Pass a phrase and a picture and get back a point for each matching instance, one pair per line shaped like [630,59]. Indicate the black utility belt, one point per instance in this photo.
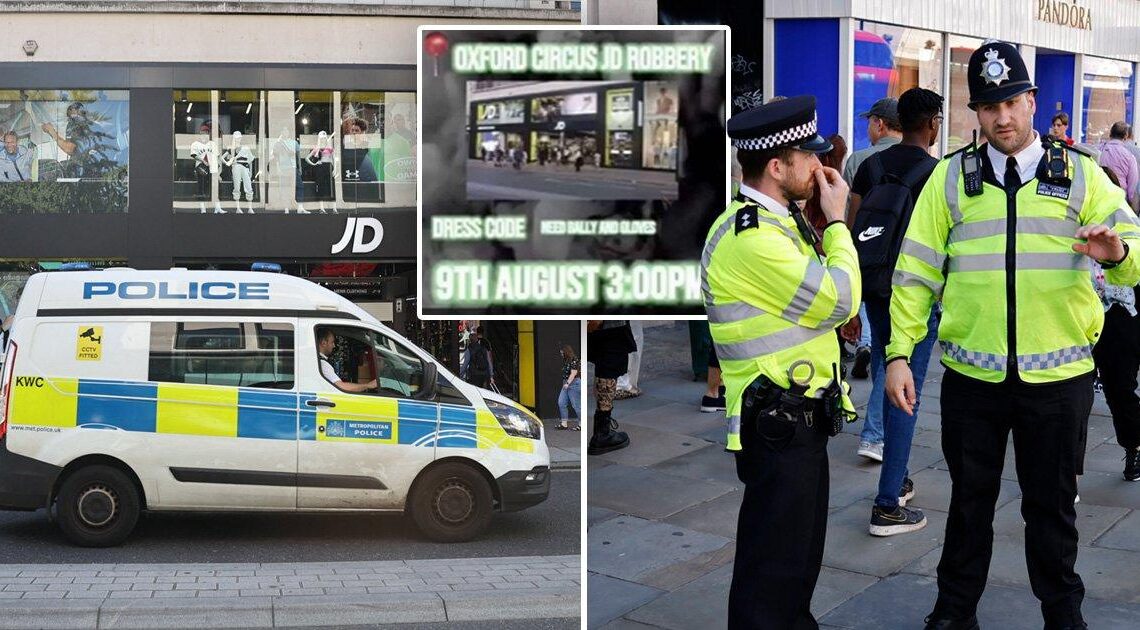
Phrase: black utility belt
[763,399]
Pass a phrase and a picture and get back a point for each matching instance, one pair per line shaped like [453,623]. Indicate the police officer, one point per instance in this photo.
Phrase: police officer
[1004,232]
[773,305]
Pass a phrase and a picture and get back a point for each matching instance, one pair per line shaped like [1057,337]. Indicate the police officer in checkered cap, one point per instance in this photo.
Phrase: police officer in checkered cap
[773,306]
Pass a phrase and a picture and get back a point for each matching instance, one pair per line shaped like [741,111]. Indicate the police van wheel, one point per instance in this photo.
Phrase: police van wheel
[452,503]
[97,506]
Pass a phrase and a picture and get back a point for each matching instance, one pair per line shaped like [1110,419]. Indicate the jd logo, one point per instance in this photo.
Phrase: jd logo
[560,125]
[355,230]
[29,381]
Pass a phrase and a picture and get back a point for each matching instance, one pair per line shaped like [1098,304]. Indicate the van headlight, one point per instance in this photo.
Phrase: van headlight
[516,421]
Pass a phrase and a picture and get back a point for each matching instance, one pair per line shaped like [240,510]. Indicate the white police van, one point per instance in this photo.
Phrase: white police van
[180,390]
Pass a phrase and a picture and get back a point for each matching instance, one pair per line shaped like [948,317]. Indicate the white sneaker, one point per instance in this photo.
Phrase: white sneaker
[871,450]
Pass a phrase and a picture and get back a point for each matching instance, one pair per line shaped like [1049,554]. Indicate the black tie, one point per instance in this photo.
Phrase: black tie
[1012,175]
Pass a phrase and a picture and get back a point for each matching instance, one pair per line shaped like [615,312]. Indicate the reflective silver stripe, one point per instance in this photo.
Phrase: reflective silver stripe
[907,279]
[923,253]
[731,312]
[733,424]
[1077,191]
[1025,261]
[1122,215]
[983,360]
[843,300]
[1063,228]
[789,232]
[976,229]
[806,292]
[1057,358]
[768,344]
[1059,260]
[953,170]
[706,255]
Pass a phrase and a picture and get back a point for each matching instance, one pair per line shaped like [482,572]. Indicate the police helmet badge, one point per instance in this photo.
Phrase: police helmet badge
[994,70]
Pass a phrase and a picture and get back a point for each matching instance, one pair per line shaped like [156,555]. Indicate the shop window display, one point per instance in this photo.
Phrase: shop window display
[660,133]
[960,120]
[890,60]
[303,152]
[64,151]
[1107,96]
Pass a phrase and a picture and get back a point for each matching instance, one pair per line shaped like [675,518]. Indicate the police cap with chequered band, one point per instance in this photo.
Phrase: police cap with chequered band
[790,122]
[996,73]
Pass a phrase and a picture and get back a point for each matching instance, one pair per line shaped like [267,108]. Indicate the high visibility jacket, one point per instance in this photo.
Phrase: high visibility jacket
[1015,296]
[771,301]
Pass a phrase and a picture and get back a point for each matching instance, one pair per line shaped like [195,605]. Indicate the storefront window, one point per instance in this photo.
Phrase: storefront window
[304,152]
[890,60]
[660,137]
[960,119]
[65,151]
[1106,97]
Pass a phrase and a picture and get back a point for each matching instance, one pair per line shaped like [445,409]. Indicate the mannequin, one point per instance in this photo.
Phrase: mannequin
[286,179]
[240,160]
[323,160]
[205,158]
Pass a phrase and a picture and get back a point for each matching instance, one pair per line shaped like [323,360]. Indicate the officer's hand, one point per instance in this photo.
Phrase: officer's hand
[852,330]
[900,386]
[832,193]
[1102,243]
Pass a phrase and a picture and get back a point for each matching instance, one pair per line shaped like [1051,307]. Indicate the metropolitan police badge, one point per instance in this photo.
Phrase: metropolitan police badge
[994,69]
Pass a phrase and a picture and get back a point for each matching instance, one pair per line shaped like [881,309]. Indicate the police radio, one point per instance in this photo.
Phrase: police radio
[972,168]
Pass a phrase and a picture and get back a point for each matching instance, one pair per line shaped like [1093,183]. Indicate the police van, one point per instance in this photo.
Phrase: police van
[179,390]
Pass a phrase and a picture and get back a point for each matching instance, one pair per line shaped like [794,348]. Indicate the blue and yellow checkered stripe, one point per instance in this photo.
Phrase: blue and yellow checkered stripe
[209,410]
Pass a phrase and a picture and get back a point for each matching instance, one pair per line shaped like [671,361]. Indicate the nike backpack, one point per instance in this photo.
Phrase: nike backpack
[881,223]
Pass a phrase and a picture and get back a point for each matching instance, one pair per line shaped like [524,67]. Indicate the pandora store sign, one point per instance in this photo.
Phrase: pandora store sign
[1064,13]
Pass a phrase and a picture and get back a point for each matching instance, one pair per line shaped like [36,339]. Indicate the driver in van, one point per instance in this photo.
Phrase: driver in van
[326,342]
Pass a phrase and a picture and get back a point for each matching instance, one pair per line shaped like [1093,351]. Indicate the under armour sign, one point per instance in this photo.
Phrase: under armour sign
[356,230]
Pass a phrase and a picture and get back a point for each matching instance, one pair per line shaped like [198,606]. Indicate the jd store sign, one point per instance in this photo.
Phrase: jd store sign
[364,233]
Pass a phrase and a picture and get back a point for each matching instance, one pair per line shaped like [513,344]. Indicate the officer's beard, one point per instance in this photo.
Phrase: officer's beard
[1010,146]
[799,192]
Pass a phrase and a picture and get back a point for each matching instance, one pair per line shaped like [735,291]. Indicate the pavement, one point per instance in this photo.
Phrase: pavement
[343,583]
[556,181]
[662,517]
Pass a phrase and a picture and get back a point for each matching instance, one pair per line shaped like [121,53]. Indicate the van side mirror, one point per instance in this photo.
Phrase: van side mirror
[429,387]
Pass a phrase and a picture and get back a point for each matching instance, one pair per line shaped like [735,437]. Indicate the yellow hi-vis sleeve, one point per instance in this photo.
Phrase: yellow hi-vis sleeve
[1107,205]
[918,277]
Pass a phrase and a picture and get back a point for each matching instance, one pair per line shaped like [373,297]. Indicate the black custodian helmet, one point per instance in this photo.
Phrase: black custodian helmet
[997,73]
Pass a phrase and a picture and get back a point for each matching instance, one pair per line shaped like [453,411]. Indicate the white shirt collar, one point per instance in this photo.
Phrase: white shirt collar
[770,204]
[1027,159]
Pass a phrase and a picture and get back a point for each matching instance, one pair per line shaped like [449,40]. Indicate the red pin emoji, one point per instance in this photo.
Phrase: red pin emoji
[435,44]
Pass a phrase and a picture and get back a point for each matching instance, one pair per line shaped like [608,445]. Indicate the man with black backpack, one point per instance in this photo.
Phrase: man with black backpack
[882,199]
[478,368]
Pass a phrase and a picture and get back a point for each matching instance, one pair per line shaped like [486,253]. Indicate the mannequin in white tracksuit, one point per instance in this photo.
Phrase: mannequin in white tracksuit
[240,160]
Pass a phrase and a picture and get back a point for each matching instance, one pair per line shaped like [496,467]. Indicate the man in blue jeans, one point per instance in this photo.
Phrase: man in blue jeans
[871,437]
[920,114]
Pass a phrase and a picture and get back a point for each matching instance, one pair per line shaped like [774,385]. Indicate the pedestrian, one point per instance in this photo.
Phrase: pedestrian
[478,365]
[1059,128]
[627,383]
[1117,356]
[1019,321]
[1114,154]
[773,304]
[570,396]
[577,159]
[608,344]
[882,199]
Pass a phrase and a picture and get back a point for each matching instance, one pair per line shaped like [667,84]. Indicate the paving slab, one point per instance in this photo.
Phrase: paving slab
[836,586]
[596,515]
[629,547]
[23,614]
[346,610]
[648,446]
[610,598]
[718,516]
[1123,534]
[710,463]
[932,490]
[222,612]
[1092,520]
[675,417]
[622,489]
[544,604]
[1109,489]
[851,548]
[702,603]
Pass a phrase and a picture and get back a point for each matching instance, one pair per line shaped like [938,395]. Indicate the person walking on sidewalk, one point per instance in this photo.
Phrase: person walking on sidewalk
[1117,357]
[627,383]
[608,344]
[1001,232]
[570,396]
[773,306]
[882,199]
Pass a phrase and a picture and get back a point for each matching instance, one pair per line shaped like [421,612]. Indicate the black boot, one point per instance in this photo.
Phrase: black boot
[605,438]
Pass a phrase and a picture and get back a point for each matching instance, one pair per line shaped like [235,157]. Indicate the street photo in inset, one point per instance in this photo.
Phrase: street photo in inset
[572,140]
[569,172]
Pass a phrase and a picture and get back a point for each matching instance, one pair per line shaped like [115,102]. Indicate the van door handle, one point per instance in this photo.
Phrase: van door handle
[320,402]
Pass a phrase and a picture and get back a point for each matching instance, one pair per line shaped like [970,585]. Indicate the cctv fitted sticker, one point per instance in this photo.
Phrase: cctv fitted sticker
[89,343]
